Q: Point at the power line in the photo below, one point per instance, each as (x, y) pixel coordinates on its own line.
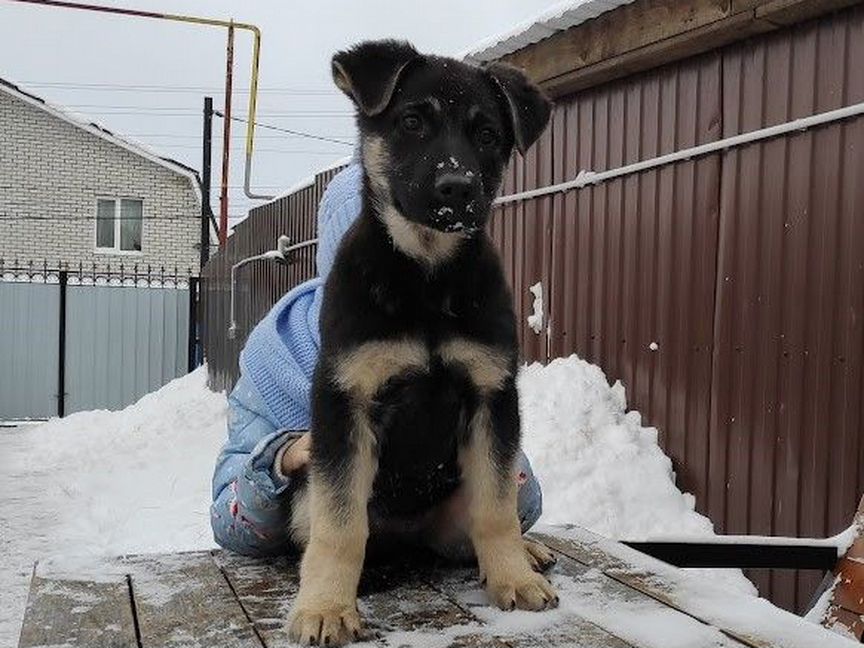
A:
(258, 150)
(119, 87)
(218, 136)
(197, 111)
(287, 130)
(156, 112)
(30, 217)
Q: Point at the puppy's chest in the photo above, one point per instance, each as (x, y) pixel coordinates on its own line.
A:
(424, 311)
(432, 364)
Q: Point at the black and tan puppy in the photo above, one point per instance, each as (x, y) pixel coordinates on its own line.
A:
(415, 393)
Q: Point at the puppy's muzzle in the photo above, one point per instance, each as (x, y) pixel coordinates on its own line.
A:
(456, 195)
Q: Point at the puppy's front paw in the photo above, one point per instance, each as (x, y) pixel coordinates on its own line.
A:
(329, 623)
(525, 589)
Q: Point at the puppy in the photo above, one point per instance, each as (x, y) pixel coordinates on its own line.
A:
(414, 394)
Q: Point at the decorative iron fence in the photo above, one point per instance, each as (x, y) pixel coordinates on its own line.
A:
(87, 337)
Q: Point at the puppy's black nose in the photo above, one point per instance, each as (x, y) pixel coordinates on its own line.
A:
(456, 190)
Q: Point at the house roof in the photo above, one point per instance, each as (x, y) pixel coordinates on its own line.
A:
(559, 17)
(100, 131)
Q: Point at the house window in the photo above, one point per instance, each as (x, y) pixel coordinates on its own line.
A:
(119, 224)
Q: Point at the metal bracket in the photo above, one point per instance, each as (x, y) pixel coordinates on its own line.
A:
(283, 254)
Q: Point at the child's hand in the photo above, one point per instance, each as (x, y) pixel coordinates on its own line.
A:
(296, 456)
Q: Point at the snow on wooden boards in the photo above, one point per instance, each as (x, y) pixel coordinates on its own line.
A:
(845, 612)
(65, 612)
(750, 621)
(218, 599)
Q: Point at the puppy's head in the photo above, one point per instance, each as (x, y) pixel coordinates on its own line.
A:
(437, 133)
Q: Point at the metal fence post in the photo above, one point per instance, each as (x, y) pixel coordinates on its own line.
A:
(206, 213)
(193, 323)
(61, 358)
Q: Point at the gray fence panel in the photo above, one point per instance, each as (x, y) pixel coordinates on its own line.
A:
(29, 326)
(123, 342)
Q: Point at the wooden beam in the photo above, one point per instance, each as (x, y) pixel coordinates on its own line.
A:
(614, 33)
(649, 33)
(691, 43)
(789, 12)
(845, 611)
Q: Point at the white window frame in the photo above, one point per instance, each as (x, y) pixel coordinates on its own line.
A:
(115, 250)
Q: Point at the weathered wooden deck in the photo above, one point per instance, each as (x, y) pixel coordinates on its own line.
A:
(611, 596)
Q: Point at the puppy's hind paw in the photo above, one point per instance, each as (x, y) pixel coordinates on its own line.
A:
(539, 556)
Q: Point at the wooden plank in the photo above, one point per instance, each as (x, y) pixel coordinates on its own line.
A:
(789, 12)
(521, 629)
(751, 621)
(393, 599)
(184, 600)
(845, 611)
(649, 33)
(611, 34)
(691, 43)
(397, 597)
(595, 611)
(66, 612)
(265, 589)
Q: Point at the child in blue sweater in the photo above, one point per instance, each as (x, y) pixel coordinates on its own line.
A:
(269, 408)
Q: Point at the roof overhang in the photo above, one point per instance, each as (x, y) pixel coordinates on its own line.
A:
(633, 36)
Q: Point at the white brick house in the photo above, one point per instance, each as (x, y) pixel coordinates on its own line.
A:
(72, 192)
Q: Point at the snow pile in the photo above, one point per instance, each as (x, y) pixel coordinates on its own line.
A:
(99, 483)
(599, 468)
(138, 480)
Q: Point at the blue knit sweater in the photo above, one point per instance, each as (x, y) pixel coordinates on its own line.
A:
(280, 353)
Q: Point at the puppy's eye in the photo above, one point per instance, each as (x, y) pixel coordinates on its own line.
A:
(412, 122)
(487, 136)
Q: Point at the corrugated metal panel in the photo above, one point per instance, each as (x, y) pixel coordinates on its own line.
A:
(633, 258)
(521, 232)
(259, 285)
(122, 343)
(786, 423)
(29, 326)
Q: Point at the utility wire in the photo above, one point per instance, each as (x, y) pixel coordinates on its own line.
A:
(118, 87)
(216, 136)
(287, 130)
(197, 111)
(155, 112)
(259, 150)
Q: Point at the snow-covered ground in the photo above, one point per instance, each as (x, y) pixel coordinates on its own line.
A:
(108, 483)
(137, 481)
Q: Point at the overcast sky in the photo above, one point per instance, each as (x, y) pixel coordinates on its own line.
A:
(146, 79)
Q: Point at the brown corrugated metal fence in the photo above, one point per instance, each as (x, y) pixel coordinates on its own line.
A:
(745, 269)
(261, 284)
(786, 447)
(726, 292)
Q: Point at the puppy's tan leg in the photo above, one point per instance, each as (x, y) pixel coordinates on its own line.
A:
(325, 611)
(494, 525)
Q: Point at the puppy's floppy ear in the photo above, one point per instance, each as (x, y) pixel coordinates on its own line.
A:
(529, 107)
(369, 71)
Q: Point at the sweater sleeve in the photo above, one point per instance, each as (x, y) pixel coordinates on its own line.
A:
(251, 498)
